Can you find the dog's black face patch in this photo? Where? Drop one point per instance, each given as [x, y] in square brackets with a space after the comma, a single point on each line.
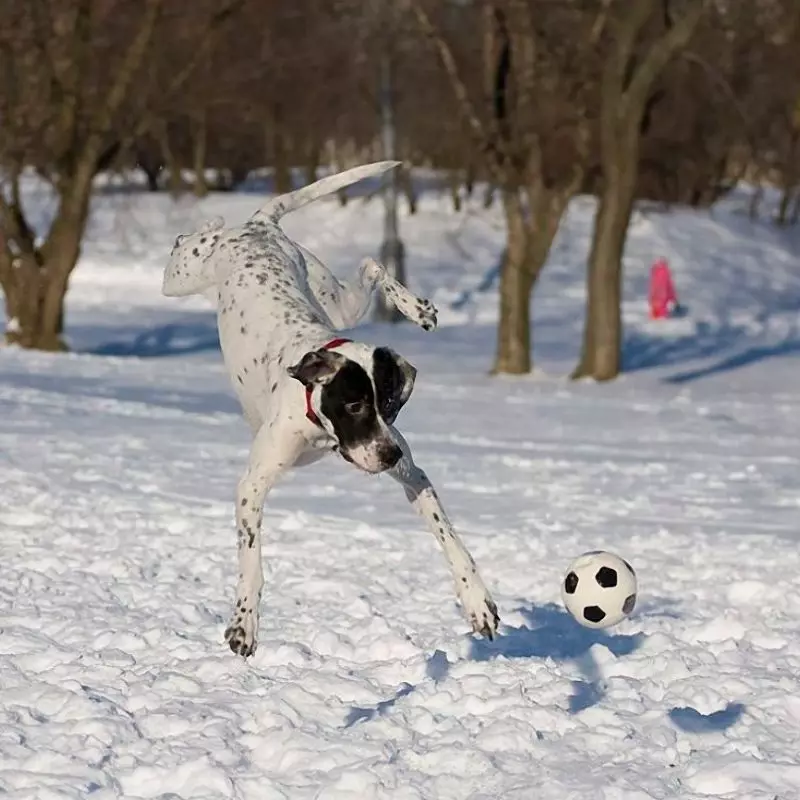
[348, 402]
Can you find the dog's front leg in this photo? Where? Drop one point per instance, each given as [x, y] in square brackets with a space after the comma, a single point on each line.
[472, 593]
[274, 450]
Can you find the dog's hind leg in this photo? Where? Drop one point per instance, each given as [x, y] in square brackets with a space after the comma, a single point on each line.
[475, 599]
[346, 303]
[275, 449]
[373, 275]
[343, 304]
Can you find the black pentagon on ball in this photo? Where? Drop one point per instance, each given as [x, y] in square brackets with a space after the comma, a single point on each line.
[571, 583]
[630, 602]
[606, 577]
[594, 613]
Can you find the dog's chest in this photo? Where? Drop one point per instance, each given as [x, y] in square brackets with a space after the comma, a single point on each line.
[265, 324]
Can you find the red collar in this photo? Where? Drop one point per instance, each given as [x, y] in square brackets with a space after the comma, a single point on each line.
[310, 415]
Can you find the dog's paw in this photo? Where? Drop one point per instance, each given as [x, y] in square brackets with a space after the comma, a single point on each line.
[426, 315]
[481, 611]
[241, 634]
[487, 621]
[417, 309]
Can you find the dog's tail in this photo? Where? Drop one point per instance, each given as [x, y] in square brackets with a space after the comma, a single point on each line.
[284, 204]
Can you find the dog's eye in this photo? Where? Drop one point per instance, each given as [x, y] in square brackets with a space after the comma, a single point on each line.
[356, 407]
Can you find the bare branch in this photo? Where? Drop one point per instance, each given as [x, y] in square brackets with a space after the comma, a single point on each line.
[130, 63]
[619, 65]
[218, 19]
[659, 55]
[600, 22]
[12, 219]
[465, 105]
[523, 64]
[716, 76]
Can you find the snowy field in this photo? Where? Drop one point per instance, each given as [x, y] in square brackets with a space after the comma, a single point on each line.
[118, 465]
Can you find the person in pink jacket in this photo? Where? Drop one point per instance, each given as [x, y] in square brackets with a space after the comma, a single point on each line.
[663, 298]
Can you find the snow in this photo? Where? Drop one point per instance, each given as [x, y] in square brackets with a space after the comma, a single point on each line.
[118, 465]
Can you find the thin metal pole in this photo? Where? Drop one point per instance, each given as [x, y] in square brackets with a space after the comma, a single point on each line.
[392, 253]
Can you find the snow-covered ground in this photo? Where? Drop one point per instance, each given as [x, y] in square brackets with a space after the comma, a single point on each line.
[118, 465]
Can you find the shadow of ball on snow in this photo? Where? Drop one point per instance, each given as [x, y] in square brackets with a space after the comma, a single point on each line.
[550, 632]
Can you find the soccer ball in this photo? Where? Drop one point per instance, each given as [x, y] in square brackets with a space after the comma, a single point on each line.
[599, 589]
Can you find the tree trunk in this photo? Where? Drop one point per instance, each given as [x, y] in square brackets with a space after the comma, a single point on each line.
[151, 174]
[148, 163]
[175, 182]
[312, 163]
[602, 342]
[407, 187]
[513, 333]
[455, 193]
[282, 173]
[755, 201]
[199, 154]
[794, 214]
[528, 244]
[469, 179]
[790, 182]
[626, 85]
[37, 283]
[22, 287]
[782, 217]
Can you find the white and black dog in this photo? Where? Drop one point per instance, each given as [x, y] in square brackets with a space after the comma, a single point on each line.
[305, 392]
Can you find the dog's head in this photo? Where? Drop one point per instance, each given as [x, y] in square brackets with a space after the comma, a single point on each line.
[190, 269]
[357, 395]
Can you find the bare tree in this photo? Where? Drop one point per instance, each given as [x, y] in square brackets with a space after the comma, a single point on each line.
[633, 64]
[528, 119]
[69, 69]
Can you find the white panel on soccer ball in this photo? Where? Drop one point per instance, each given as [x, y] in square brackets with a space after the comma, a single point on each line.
[599, 589]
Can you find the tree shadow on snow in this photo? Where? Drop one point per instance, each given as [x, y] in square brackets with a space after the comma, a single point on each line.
[643, 350]
[742, 359]
[732, 346]
[171, 339]
[550, 632]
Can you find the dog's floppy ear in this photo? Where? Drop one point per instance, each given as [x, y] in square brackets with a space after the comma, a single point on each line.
[317, 367]
[394, 382]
